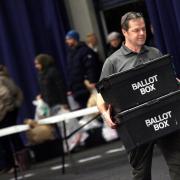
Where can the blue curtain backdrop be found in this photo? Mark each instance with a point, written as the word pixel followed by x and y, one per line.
pixel 165 18
pixel 27 28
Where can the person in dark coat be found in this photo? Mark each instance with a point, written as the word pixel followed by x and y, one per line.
pixel 52 86
pixel 10 101
pixel 82 66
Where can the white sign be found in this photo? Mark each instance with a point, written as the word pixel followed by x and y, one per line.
pixel 160 121
pixel 146 85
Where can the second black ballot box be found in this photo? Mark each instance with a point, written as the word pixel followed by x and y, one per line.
pixel 149 121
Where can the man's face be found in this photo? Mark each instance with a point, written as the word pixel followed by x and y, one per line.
pixel 70 42
pixel 136 34
pixel 92 40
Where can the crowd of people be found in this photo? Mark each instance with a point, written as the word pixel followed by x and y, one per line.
pixel 84 68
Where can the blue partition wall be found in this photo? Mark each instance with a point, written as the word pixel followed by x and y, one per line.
pixel 29 27
pixel 165 18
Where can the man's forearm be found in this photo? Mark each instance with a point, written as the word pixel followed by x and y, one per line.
pixel 105 110
pixel 101 104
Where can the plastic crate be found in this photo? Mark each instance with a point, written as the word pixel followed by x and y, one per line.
pixel 149 121
pixel 140 84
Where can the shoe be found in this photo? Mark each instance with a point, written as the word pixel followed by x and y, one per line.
pixel 11 170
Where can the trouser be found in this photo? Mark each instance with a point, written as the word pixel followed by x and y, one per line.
pixel 141 157
pixel 82 98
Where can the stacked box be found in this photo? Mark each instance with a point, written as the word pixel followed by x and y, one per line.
pixel 148 91
pixel 150 121
pixel 139 84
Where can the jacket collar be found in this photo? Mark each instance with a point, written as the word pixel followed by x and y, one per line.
pixel 126 51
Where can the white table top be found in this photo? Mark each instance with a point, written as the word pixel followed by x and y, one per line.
pixel 69 115
pixel 49 120
pixel 13 130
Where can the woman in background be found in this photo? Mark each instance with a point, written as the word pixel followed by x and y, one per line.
pixel 52 88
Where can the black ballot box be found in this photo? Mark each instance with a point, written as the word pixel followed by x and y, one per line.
pixel 149 121
pixel 140 84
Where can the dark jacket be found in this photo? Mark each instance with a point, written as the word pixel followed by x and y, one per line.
pixel 82 64
pixel 111 50
pixel 52 87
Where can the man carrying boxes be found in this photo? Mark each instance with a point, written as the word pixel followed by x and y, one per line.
pixel 133 52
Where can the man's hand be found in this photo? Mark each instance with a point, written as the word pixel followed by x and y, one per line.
pixel 89 85
pixel 39 96
pixel 69 93
pixel 107 118
pixel 65 106
pixel 178 80
pixel 105 111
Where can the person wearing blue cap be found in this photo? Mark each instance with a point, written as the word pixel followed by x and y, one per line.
pixel 72 35
pixel 82 67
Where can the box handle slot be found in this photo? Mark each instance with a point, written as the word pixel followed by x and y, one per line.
pixel 154 101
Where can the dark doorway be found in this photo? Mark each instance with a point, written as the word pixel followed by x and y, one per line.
pixel 112 15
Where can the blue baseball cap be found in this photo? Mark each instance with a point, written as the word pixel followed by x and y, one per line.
pixel 72 34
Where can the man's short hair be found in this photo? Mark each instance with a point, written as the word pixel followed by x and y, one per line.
pixel 90 35
pixel 129 16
